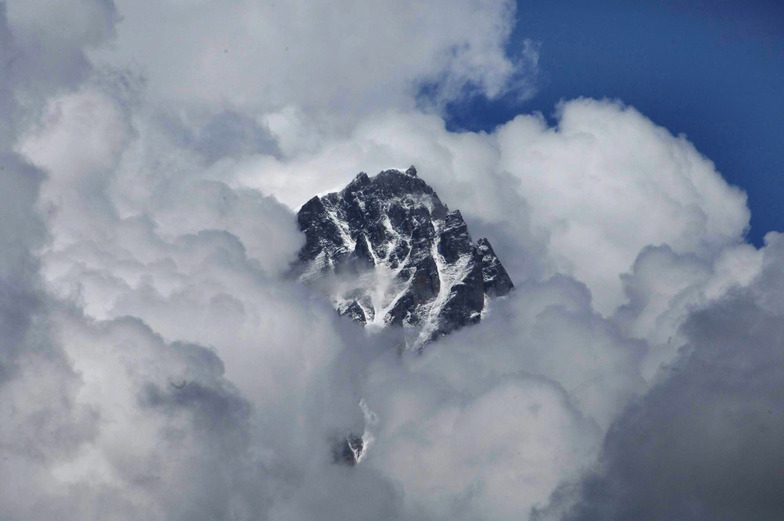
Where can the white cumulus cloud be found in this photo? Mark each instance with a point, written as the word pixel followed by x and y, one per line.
pixel 158 361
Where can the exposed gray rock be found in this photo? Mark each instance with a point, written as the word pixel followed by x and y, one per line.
pixel 348 450
pixel 390 253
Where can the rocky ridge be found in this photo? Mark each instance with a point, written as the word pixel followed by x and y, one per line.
pixel 390 253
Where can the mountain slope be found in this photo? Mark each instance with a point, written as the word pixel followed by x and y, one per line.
pixel 389 252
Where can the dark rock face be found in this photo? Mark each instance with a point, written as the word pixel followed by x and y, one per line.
pixel 349 450
pixel 398 256
pixel 496 280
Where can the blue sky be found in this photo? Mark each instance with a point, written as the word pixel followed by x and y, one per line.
pixel 713 71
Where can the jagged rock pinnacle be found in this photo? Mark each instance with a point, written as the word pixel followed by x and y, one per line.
pixel 394 255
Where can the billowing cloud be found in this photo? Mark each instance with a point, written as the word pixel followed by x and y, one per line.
pixel 704 444
pixel 158 362
pixel 608 182
pixel 594 190
pixel 348 57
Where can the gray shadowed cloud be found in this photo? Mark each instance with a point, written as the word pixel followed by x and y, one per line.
pixel 705 442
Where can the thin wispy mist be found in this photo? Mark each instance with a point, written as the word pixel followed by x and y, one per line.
pixel 158 360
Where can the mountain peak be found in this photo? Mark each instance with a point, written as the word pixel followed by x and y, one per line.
pixel 390 253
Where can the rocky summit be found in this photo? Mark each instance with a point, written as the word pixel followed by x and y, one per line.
pixel 390 253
